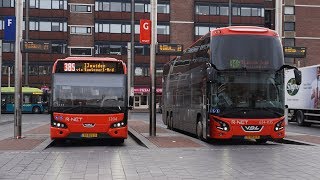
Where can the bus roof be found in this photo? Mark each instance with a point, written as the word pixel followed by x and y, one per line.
pixel 244 30
pixel 30 90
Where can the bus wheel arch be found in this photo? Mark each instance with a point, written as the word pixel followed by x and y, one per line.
pixel 36 110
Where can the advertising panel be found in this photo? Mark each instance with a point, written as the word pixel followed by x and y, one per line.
pixel 306 95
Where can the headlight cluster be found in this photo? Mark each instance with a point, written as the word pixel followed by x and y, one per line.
pixel 58 124
pixel 118 124
pixel 222 125
pixel 279 125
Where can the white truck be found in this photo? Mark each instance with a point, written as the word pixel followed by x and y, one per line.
pixel 303 101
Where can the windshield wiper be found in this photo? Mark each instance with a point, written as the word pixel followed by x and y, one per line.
pixel 271 111
pixel 235 110
pixel 72 108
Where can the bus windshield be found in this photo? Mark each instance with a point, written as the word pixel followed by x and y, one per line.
pixel 88 93
pixel 246 52
pixel 257 93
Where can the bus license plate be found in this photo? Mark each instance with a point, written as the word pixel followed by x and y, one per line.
pixel 89 135
pixel 252 137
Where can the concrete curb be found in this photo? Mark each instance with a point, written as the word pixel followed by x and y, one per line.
pixel 42 146
pixel 141 139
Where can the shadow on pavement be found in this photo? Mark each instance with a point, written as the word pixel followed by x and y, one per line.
pixel 85 143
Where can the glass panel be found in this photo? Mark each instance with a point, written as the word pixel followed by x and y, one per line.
pixel 45 26
pixel 289 26
pixel 139 7
pixel 224 11
pixel 138 71
pixel 115 28
pixel 214 10
pixel 106 6
pixel 288 10
pixel 202 10
pixel 115 6
pixel 254 12
pixel 81 51
pixel 55 4
pixel 45 4
pixel 115 49
pixel 105 28
pixel 163 8
pixel 55 26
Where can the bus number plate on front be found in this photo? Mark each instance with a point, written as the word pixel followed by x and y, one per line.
pixel 252 137
pixel 89 135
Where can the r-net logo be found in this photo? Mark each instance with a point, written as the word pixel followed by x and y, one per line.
pixel 292 87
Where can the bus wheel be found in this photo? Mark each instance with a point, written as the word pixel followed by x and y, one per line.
pixel 167 120
pixel 261 141
pixel 199 129
pixel 36 110
pixel 300 118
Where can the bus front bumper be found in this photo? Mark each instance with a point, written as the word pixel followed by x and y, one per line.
pixel 112 133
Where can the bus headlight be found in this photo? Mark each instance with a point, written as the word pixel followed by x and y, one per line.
pixel 58 124
pixel 118 124
pixel 223 126
pixel 279 125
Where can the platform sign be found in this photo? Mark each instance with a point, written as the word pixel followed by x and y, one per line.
pixel 145 31
pixel 36 47
pixel 169 49
pixel 294 52
pixel 10 28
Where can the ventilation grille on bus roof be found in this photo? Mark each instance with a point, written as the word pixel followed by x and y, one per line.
pixel 247 29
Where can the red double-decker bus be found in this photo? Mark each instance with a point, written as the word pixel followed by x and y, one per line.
pixel 89 99
pixel 229 84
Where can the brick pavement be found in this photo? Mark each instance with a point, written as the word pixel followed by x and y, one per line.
pixel 165 138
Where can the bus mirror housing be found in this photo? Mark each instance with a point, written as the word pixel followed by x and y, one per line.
pixel 297 76
pixel 130 102
pixel 211 74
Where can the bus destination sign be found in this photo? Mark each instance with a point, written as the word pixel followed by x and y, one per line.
pixel 170 49
pixel 36 47
pixel 89 67
pixel 294 52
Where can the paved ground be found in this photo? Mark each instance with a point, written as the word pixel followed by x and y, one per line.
pixel 170 155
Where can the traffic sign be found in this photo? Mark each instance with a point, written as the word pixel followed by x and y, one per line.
pixel 145 31
pixel 294 52
pixel 36 47
pixel 10 28
pixel 170 49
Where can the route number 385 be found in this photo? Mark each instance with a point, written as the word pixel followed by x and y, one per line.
pixel 69 67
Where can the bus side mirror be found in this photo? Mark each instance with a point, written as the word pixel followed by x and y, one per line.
pixel 211 74
pixel 130 102
pixel 297 76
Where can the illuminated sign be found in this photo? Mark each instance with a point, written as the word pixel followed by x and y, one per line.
pixel 36 47
pixel 170 49
pixel 294 52
pixel 89 67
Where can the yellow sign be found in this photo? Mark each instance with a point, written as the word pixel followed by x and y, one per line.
pixel 170 49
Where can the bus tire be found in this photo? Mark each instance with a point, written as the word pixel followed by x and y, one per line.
pixel 199 130
pixel 119 141
pixel 36 110
pixel 170 123
pixel 300 118
pixel 167 120
pixel 261 141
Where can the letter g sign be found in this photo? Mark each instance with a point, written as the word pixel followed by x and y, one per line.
pixel 145 31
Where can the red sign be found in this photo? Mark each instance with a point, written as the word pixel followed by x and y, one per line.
pixel 146 90
pixel 145 31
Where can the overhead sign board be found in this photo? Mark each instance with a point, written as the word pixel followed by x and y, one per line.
pixel 170 49
pixel 10 28
pixel 294 52
pixel 36 46
pixel 145 31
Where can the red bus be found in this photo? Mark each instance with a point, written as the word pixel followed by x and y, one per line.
pixel 89 99
pixel 228 85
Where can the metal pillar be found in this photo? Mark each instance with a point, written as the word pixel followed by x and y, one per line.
pixel 0 75
pixel 230 12
pixel 26 73
pixel 18 70
pixel 152 105
pixel 132 46
pixel 278 18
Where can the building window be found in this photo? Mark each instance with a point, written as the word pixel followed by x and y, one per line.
pixel 289 26
pixel 289 10
pixel 8 46
pixel 139 7
pixel 163 8
pixel 48 26
pixel 81 30
pixel 138 71
pixel 115 6
pixel 80 8
pixel 236 11
pixel 214 10
pixel 289 42
pixel 51 4
pixel 6 3
pixel 163 29
pixel 81 51
pixel 245 11
pixel 224 11
pixel 34 3
pixel 1 24
pixel 159 72
pixel 202 30
pixel 202 10
pixel 58 48
pixel 115 49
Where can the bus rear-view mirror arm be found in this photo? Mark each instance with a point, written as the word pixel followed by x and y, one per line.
pixel 297 72
pixel 130 102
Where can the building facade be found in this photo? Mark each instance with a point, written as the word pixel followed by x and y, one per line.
pixel 302 29
pixel 103 28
